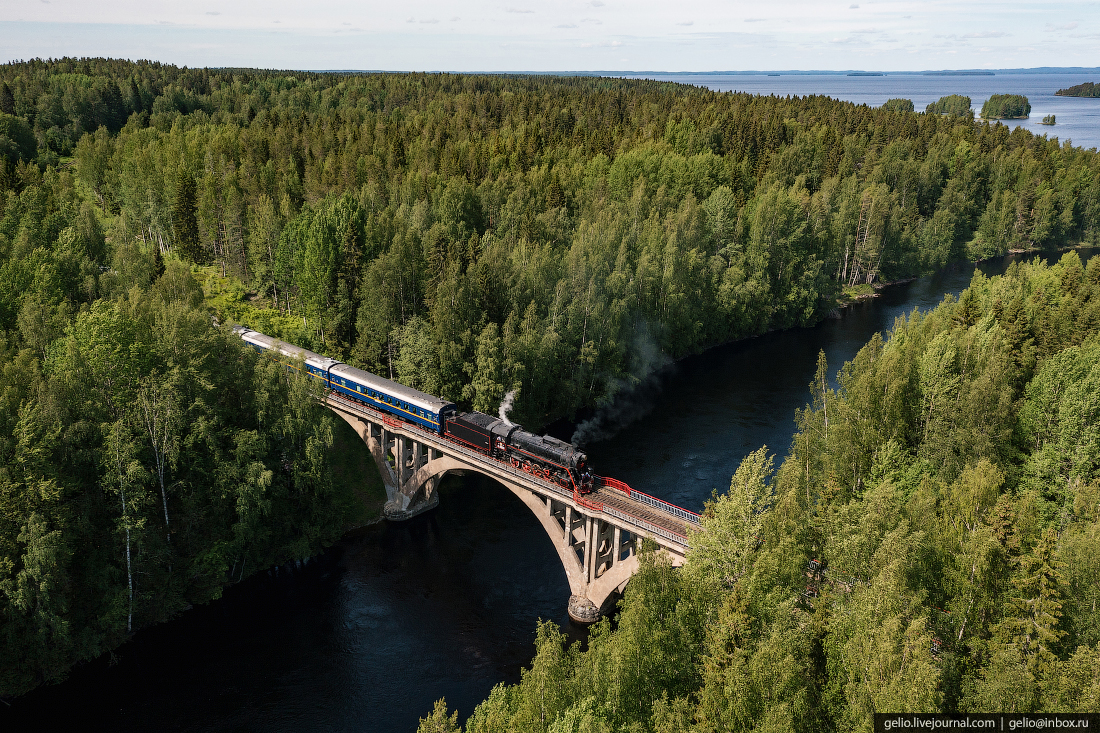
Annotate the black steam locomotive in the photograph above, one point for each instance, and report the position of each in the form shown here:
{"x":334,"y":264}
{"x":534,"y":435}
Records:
{"x":543,"y":456}
{"x":546,"y":457}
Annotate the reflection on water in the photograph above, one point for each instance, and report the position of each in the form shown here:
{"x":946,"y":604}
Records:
{"x":395,"y":616}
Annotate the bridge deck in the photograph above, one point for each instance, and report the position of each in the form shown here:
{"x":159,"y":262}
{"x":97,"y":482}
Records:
{"x":613,"y":498}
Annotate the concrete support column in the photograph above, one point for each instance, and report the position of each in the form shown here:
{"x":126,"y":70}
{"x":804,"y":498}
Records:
{"x":589,"y":548}
{"x":598,"y":531}
{"x":616,"y":547}
{"x":402,"y":470}
{"x":418,"y":449}
{"x":567,"y":541}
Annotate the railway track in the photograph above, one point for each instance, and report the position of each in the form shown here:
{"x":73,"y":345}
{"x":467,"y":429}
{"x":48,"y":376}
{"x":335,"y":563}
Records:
{"x":614,"y":498}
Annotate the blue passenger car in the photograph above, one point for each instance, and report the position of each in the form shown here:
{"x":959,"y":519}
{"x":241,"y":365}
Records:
{"x":382,"y":394}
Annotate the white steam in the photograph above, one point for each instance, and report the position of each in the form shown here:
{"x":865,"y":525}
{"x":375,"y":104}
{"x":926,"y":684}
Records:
{"x":506,"y":407}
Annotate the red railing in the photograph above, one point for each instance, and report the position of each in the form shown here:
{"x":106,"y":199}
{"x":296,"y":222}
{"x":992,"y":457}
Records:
{"x":614,"y":483}
{"x":593,"y":505}
{"x":645,"y":498}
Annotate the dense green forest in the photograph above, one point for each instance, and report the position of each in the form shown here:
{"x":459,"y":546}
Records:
{"x":950,"y":489}
{"x":468,"y":235}
{"x":899,"y":105}
{"x":952,"y":104}
{"x":1088,"y":89}
{"x":1006,"y":107}
{"x":471,"y":235}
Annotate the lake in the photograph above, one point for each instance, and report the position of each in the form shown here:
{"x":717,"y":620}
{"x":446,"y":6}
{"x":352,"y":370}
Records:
{"x":1078,"y":118}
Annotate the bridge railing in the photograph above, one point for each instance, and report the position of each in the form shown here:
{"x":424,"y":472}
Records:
{"x":672,"y":536}
{"x":653,"y":501}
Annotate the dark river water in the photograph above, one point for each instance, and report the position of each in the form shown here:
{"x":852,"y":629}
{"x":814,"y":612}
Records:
{"x":367,"y":636}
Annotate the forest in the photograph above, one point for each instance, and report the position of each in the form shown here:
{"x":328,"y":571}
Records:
{"x":466,"y":235}
{"x":1006,"y":107}
{"x":930,"y":543}
{"x":952,"y":104}
{"x":1087,"y":89}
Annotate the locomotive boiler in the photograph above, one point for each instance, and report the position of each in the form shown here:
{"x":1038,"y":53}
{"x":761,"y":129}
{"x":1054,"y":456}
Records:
{"x":540,"y":455}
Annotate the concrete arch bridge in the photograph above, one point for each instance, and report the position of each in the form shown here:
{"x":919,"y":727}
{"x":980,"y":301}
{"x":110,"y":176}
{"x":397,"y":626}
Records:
{"x":597,"y":536}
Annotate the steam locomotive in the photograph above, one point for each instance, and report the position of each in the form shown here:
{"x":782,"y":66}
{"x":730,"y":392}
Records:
{"x":542,"y":456}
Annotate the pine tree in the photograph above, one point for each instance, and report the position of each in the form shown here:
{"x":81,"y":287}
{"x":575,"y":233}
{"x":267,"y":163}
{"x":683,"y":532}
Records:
{"x":7,"y":100}
{"x":184,"y":220}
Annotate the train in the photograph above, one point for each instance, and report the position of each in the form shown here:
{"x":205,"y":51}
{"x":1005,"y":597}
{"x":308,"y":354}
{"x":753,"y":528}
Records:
{"x":543,"y":456}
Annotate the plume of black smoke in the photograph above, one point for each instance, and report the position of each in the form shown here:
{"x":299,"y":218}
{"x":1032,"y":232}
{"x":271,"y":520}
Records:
{"x":630,"y":399}
{"x":506,"y":407}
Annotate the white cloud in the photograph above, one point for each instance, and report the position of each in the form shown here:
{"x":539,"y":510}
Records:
{"x":426,"y":34}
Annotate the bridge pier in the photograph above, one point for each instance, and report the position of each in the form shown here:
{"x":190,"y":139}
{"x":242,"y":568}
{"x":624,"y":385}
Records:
{"x":598,"y":547}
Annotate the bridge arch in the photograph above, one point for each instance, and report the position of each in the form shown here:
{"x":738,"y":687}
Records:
{"x":596,"y":549}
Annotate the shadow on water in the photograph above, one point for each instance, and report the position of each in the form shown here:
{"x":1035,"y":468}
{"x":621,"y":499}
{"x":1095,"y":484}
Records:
{"x":368,"y":635}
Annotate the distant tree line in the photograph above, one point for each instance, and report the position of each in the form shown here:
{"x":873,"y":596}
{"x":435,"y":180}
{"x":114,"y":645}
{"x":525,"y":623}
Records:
{"x":1088,"y":89}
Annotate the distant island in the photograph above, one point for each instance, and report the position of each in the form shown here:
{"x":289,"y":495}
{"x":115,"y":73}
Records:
{"x":899,"y":105}
{"x":952,"y":104}
{"x":866,"y":73}
{"x":1006,"y":107}
{"x":1088,"y":89}
{"x":957,"y":73}
{"x":1048,"y":120}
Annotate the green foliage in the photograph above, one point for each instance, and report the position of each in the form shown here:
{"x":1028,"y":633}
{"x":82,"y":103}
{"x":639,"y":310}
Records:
{"x":949,"y":492}
{"x":389,"y":220}
{"x":952,"y":104}
{"x":1087,"y":89}
{"x":899,"y":105}
{"x":146,"y":458}
{"x":557,"y":238}
{"x":17,"y":141}
{"x":185,"y":225}
{"x":1006,"y":106}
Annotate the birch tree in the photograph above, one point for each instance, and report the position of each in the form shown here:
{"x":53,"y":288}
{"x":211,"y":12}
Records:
{"x":159,"y":411}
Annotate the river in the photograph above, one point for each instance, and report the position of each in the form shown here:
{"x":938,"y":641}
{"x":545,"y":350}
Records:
{"x":394,"y":616}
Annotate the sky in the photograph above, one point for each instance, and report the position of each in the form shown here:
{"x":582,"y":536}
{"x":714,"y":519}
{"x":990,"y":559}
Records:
{"x":568,"y":35}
